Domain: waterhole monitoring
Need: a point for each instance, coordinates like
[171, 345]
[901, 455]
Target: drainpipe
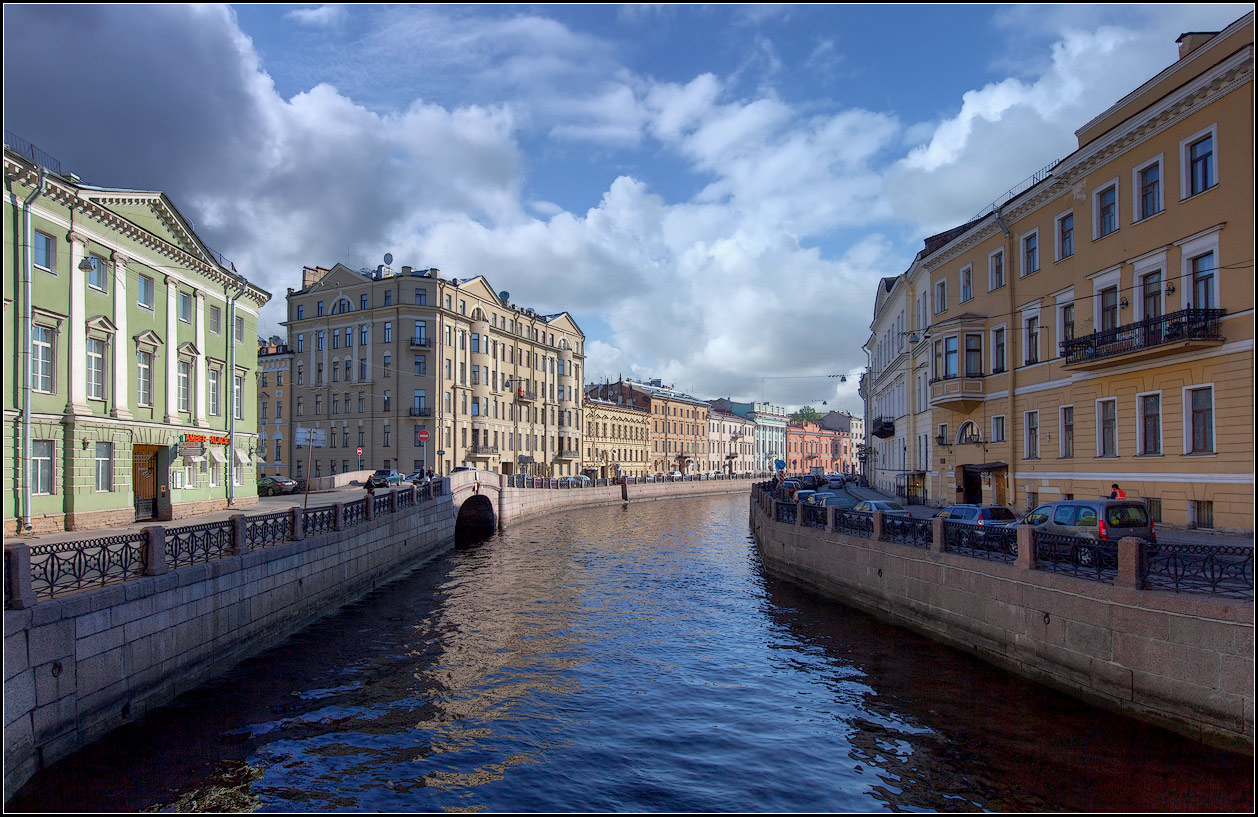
[231, 368]
[28, 331]
[1010, 254]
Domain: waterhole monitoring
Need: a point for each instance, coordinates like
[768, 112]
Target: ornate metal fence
[405, 499]
[317, 520]
[815, 516]
[855, 523]
[1086, 558]
[993, 542]
[379, 504]
[198, 543]
[353, 513]
[908, 531]
[271, 529]
[68, 566]
[786, 512]
[1225, 570]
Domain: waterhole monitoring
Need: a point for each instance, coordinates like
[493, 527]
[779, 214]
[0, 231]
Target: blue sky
[712, 191]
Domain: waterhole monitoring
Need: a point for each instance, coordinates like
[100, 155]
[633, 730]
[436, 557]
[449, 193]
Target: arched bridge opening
[477, 520]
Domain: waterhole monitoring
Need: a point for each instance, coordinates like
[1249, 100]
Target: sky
[712, 192]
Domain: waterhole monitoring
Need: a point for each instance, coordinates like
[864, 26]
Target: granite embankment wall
[77, 666]
[517, 504]
[1181, 660]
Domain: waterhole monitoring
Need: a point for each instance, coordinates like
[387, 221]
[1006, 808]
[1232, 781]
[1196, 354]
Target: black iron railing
[379, 504]
[908, 531]
[317, 520]
[194, 544]
[814, 516]
[1186, 324]
[855, 523]
[67, 566]
[1092, 559]
[352, 513]
[1225, 570]
[270, 529]
[994, 542]
[787, 512]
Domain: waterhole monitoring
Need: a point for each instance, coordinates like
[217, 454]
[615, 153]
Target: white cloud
[325, 16]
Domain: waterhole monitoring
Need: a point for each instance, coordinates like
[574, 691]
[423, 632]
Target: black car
[270, 486]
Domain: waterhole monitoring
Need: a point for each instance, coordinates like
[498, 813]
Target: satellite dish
[388, 258]
[504, 296]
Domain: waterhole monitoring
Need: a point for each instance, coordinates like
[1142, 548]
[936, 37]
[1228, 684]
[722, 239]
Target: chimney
[312, 275]
[1193, 40]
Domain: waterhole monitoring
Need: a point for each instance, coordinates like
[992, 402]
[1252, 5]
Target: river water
[628, 659]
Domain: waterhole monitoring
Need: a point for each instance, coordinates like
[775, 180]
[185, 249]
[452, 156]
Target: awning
[195, 459]
[217, 456]
[987, 466]
[242, 457]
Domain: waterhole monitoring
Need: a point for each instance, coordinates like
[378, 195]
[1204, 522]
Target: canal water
[628, 659]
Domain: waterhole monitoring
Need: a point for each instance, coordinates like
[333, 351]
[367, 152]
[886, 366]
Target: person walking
[371, 488]
[1117, 493]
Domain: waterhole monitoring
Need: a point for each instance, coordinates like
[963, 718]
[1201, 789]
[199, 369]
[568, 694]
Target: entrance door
[144, 481]
[973, 485]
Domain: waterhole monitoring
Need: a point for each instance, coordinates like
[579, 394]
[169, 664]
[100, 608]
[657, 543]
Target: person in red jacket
[1117, 493]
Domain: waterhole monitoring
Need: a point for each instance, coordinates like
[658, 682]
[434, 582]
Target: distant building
[808, 446]
[275, 384]
[617, 438]
[129, 392]
[770, 423]
[679, 422]
[731, 443]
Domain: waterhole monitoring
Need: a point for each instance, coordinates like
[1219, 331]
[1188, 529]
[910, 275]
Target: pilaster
[76, 367]
[121, 347]
[171, 351]
[201, 387]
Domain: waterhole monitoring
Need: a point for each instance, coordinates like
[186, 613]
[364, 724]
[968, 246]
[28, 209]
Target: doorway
[144, 481]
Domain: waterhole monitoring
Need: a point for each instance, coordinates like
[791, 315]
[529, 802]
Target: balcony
[420, 411]
[883, 427]
[1186, 330]
[568, 454]
[523, 395]
[478, 450]
[421, 343]
[959, 393]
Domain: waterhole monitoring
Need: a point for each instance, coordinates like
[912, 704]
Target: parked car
[270, 486]
[384, 477]
[418, 477]
[840, 501]
[820, 497]
[886, 506]
[789, 487]
[579, 481]
[837, 481]
[803, 495]
[456, 469]
[675, 475]
[1100, 519]
[979, 519]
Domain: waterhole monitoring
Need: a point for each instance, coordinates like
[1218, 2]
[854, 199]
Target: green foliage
[807, 414]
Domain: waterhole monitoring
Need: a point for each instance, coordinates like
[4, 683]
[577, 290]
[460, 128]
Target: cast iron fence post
[17, 568]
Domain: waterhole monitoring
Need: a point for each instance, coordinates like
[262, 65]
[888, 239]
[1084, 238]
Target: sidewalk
[1166, 534]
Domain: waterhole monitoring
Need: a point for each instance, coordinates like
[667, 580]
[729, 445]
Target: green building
[130, 388]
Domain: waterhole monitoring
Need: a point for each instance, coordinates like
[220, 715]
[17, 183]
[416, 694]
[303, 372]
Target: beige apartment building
[275, 383]
[617, 438]
[384, 359]
[731, 443]
[1098, 326]
[679, 422]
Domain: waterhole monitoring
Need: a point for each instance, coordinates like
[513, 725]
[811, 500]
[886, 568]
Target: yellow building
[617, 438]
[1098, 327]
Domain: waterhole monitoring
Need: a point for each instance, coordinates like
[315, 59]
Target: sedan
[270, 486]
[385, 477]
[887, 507]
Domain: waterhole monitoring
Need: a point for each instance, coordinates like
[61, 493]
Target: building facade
[770, 423]
[384, 359]
[679, 422]
[809, 445]
[617, 439]
[130, 394]
[731, 443]
[1097, 327]
[851, 435]
[275, 381]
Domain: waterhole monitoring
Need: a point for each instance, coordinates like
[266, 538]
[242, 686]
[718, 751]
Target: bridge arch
[476, 496]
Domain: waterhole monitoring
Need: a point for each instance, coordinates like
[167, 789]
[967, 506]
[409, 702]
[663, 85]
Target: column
[200, 387]
[77, 361]
[171, 386]
[122, 360]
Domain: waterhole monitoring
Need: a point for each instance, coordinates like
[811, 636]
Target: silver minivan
[1101, 519]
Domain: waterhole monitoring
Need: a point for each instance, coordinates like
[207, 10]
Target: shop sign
[212, 439]
[188, 448]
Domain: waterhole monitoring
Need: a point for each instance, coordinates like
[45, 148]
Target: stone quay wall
[1184, 661]
[517, 504]
[78, 665]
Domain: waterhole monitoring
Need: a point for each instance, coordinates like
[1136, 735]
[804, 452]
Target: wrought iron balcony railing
[421, 343]
[421, 411]
[1186, 324]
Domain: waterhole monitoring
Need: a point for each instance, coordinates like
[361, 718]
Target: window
[336, 339]
[388, 400]
[973, 355]
[301, 343]
[967, 284]
[388, 364]
[1032, 340]
[421, 365]
[45, 252]
[1203, 281]
[998, 350]
[240, 329]
[1068, 322]
[1149, 190]
[238, 392]
[279, 409]
[1109, 308]
[215, 384]
[104, 467]
[998, 428]
[185, 385]
[216, 320]
[941, 296]
[1151, 295]
[421, 297]
[98, 275]
[388, 435]
[996, 270]
[1105, 205]
[1107, 428]
[41, 467]
[144, 377]
[319, 342]
[42, 359]
[945, 358]
[362, 301]
[1030, 253]
[1149, 428]
[144, 292]
[301, 311]
[388, 297]
[185, 308]
[1032, 429]
[1200, 513]
[388, 331]
[1199, 405]
[1066, 236]
[349, 337]
[96, 369]
[319, 309]
[1199, 164]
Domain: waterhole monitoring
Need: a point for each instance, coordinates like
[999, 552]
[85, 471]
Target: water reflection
[632, 659]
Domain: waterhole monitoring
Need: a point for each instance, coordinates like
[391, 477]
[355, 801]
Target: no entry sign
[423, 435]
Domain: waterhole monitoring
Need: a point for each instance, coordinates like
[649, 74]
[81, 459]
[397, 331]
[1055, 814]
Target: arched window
[968, 433]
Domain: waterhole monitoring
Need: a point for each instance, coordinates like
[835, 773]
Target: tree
[807, 414]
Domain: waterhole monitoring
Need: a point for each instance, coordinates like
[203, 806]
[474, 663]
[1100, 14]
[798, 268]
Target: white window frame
[100, 268]
[143, 379]
[991, 270]
[1193, 249]
[50, 254]
[144, 285]
[940, 291]
[1004, 363]
[1039, 253]
[1156, 262]
[1028, 314]
[97, 386]
[44, 368]
[214, 390]
[216, 319]
[43, 468]
[1140, 439]
[1064, 299]
[1137, 190]
[998, 437]
[104, 467]
[1185, 169]
[1100, 448]
[1100, 283]
[1187, 408]
[183, 386]
[183, 302]
[1096, 208]
[1074, 236]
[1026, 435]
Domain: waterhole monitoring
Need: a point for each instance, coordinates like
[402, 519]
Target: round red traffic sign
[360, 452]
[423, 435]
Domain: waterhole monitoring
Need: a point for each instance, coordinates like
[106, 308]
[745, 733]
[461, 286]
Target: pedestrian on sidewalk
[1117, 493]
